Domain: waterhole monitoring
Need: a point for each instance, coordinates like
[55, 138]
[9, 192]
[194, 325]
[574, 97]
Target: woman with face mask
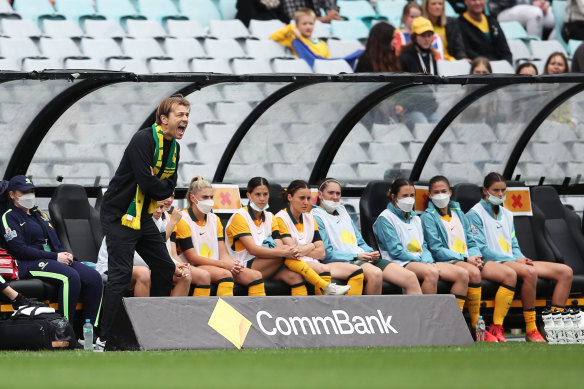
[449, 238]
[345, 250]
[200, 242]
[494, 233]
[33, 243]
[394, 226]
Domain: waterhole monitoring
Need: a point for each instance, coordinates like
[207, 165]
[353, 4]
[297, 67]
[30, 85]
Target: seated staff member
[200, 240]
[449, 238]
[494, 233]
[344, 246]
[298, 228]
[254, 239]
[33, 243]
[401, 238]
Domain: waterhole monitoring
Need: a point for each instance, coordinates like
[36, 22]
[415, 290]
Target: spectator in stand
[411, 11]
[556, 63]
[574, 21]
[482, 34]
[259, 10]
[446, 28]
[578, 60]
[379, 54]
[305, 18]
[534, 17]
[419, 56]
[527, 68]
[289, 8]
[480, 65]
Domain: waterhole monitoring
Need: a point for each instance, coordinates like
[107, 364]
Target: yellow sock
[503, 300]
[473, 303]
[256, 288]
[460, 300]
[325, 276]
[202, 291]
[225, 286]
[299, 289]
[355, 280]
[305, 271]
[558, 308]
[529, 317]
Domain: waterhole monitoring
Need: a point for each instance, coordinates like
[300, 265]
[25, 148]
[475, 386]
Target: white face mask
[406, 204]
[256, 208]
[495, 200]
[205, 206]
[26, 200]
[330, 206]
[441, 200]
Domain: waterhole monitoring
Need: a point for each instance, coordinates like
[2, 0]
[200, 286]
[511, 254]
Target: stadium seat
[573, 46]
[559, 11]
[142, 48]
[38, 64]
[217, 133]
[390, 133]
[563, 231]
[223, 48]
[9, 64]
[453, 68]
[467, 195]
[359, 134]
[359, 10]
[351, 153]
[342, 172]
[462, 152]
[202, 11]
[167, 65]
[342, 48]
[118, 10]
[76, 221]
[20, 28]
[519, 50]
[502, 67]
[62, 29]
[137, 66]
[331, 66]
[83, 63]
[103, 29]
[262, 29]
[373, 201]
[232, 112]
[349, 29]
[228, 29]
[392, 10]
[144, 29]
[250, 66]
[210, 65]
[241, 172]
[228, 9]
[36, 10]
[389, 153]
[77, 10]
[514, 30]
[266, 49]
[159, 10]
[184, 49]
[550, 152]
[59, 48]
[18, 48]
[460, 172]
[101, 48]
[185, 29]
[186, 172]
[542, 49]
[6, 11]
[473, 132]
[321, 30]
[283, 171]
[550, 131]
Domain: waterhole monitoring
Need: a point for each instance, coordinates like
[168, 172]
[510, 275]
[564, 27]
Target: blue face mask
[495, 200]
[258, 209]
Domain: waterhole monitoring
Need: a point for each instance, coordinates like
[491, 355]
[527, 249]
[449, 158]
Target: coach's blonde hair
[197, 184]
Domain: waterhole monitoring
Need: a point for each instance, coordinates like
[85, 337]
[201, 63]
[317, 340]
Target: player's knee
[200, 277]
[431, 274]
[372, 273]
[142, 275]
[474, 275]
[292, 278]
[254, 274]
[462, 275]
[530, 274]
[566, 273]
[321, 268]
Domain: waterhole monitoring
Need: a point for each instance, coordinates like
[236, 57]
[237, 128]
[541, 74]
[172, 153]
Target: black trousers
[121, 243]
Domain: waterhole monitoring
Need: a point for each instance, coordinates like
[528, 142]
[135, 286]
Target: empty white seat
[473, 132]
[342, 172]
[371, 171]
[294, 151]
[83, 151]
[508, 132]
[351, 153]
[262, 29]
[460, 172]
[519, 50]
[142, 48]
[59, 48]
[290, 65]
[500, 151]
[9, 64]
[167, 65]
[358, 134]
[342, 48]
[391, 133]
[272, 134]
[114, 152]
[201, 113]
[218, 132]
[265, 49]
[184, 48]
[18, 48]
[83, 63]
[103, 28]
[186, 172]
[502, 67]
[144, 29]
[315, 131]
[30, 64]
[453, 68]
[290, 171]
[101, 48]
[251, 93]
[542, 49]
[250, 66]
[185, 29]
[133, 65]
[208, 152]
[62, 29]
[240, 173]
[228, 29]
[321, 30]
[223, 48]
[210, 65]
[389, 152]
[248, 152]
[550, 152]
[331, 66]
[232, 112]
[462, 152]
[550, 131]
[533, 171]
[20, 28]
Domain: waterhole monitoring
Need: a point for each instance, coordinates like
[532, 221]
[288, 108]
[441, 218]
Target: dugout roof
[64, 127]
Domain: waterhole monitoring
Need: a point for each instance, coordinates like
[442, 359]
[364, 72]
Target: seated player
[200, 242]
[345, 249]
[401, 240]
[449, 238]
[494, 233]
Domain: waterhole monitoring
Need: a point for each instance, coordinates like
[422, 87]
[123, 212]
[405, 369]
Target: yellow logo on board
[459, 246]
[414, 246]
[205, 251]
[228, 322]
[504, 244]
[347, 237]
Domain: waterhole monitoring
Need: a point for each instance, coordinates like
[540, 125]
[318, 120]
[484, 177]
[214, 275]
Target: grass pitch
[498, 366]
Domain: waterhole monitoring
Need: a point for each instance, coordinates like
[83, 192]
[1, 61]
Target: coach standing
[147, 173]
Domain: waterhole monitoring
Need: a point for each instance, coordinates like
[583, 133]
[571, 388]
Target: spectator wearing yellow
[445, 27]
[305, 19]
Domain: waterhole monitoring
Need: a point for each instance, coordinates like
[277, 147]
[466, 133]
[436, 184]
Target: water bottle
[579, 326]
[569, 332]
[559, 327]
[480, 329]
[548, 323]
[88, 335]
